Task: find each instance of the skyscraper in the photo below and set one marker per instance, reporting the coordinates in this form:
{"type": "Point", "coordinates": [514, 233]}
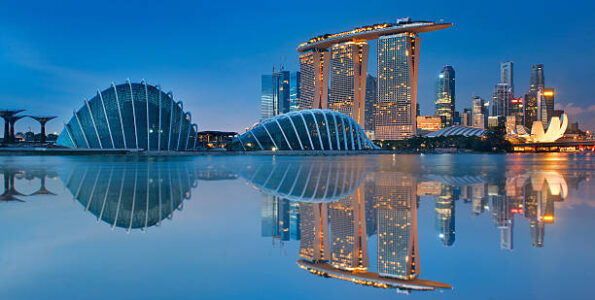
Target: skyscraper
{"type": "Point", "coordinates": [275, 94]}
{"type": "Point", "coordinates": [349, 72]}
{"type": "Point", "coordinates": [501, 99]}
{"type": "Point", "coordinates": [314, 69]}
{"type": "Point", "coordinates": [507, 74]}
{"type": "Point", "coordinates": [531, 113]}
{"type": "Point", "coordinates": [398, 62]}
{"type": "Point", "coordinates": [314, 242]}
{"type": "Point", "coordinates": [294, 90]}
{"type": "Point", "coordinates": [479, 112]}
{"type": "Point", "coordinates": [537, 78]}
{"type": "Point", "coordinates": [545, 105]}
{"type": "Point", "coordinates": [371, 99]}
{"type": "Point", "coordinates": [445, 96]}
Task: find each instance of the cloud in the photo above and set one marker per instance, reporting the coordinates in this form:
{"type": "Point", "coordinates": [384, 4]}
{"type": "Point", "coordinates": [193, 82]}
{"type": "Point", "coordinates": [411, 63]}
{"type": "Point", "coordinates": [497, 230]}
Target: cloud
{"type": "Point", "coordinates": [572, 110]}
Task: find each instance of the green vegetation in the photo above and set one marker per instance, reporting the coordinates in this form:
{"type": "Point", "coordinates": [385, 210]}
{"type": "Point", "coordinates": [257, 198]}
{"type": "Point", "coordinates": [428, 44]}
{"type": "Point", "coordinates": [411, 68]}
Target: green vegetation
{"type": "Point", "coordinates": [494, 141]}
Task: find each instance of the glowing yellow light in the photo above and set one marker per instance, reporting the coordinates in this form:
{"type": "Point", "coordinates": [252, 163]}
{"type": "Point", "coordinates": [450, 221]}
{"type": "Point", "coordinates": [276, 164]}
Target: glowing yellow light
{"type": "Point", "coordinates": [548, 218]}
{"type": "Point", "coordinates": [548, 93]}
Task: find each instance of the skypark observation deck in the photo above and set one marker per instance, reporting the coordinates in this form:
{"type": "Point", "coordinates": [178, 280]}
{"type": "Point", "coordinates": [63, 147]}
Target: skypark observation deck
{"type": "Point", "coordinates": [371, 32]}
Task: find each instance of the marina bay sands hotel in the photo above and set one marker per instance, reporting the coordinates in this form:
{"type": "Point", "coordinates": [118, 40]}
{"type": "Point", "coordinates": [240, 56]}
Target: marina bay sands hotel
{"type": "Point", "coordinates": [343, 58]}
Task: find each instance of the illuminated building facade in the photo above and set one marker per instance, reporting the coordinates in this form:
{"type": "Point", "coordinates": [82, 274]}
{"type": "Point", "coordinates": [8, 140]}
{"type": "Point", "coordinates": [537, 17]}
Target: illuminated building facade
{"type": "Point", "coordinates": [445, 216]}
{"type": "Point", "coordinates": [445, 96]}
{"type": "Point", "coordinates": [479, 112]}
{"type": "Point", "coordinates": [429, 123]}
{"type": "Point", "coordinates": [130, 116]}
{"type": "Point", "coordinates": [294, 90]}
{"type": "Point", "coordinates": [314, 75]}
{"type": "Point", "coordinates": [545, 105]}
{"type": "Point", "coordinates": [349, 73]}
{"type": "Point", "coordinates": [398, 63]}
{"type": "Point", "coordinates": [398, 60]}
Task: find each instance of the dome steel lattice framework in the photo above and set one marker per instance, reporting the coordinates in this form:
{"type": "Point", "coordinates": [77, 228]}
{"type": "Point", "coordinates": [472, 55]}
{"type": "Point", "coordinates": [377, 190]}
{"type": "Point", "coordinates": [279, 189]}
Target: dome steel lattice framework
{"type": "Point", "coordinates": [315, 129]}
{"type": "Point", "coordinates": [134, 116]}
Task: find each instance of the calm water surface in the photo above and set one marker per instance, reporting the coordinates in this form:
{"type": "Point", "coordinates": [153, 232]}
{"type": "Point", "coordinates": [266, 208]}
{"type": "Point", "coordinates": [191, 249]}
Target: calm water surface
{"type": "Point", "coordinates": [367, 227]}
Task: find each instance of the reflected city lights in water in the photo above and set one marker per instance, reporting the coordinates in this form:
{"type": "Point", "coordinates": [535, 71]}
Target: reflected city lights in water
{"type": "Point", "coordinates": [354, 219]}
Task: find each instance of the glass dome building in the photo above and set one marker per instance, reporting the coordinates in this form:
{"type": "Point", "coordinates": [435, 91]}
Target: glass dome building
{"type": "Point", "coordinates": [314, 130]}
{"type": "Point", "coordinates": [134, 116]}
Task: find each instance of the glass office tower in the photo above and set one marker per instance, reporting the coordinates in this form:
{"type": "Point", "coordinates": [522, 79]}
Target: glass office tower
{"type": "Point", "coordinates": [275, 96]}
{"type": "Point", "coordinates": [445, 96]}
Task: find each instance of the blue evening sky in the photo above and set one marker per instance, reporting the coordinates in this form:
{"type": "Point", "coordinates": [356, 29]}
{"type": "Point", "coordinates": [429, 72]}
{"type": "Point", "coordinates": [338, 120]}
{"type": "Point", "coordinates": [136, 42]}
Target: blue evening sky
{"type": "Point", "coordinates": [53, 54]}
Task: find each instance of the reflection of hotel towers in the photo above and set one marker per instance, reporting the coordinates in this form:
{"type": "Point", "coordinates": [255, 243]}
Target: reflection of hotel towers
{"type": "Point", "coordinates": [133, 195]}
{"type": "Point", "coordinates": [398, 245]}
{"type": "Point", "coordinates": [349, 243]}
{"type": "Point", "coordinates": [314, 244]}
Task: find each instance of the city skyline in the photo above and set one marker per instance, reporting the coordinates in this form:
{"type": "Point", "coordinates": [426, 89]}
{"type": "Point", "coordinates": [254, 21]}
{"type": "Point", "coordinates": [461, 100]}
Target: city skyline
{"type": "Point", "coordinates": [48, 68]}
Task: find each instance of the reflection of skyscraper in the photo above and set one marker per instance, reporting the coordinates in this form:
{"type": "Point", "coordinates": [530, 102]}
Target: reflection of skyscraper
{"type": "Point", "coordinates": [398, 247]}
{"type": "Point", "coordinates": [349, 243]}
{"type": "Point", "coordinates": [280, 218]}
{"type": "Point", "coordinates": [314, 243]}
{"type": "Point", "coordinates": [445, 216]}
{"type": "Point", "coordinates": [398, 62]}
{"type": "Point", "coordinates": [503, 219]}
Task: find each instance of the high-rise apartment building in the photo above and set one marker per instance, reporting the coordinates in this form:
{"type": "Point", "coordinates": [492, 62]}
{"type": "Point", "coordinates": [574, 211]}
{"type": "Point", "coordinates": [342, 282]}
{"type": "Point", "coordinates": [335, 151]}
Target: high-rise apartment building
{"type": "Point", "coordinates": [349, 73]}
{"type": "Point", "coordinates": [371, 99]}
{"type": "Point", "coordinates": [479, 112]}
{"type": "Point", "coordinates": [398, 63]}
{"type": "Point", "coordinates": [445, 96]}
{"type": "Point", "coordinates": [314, 76]}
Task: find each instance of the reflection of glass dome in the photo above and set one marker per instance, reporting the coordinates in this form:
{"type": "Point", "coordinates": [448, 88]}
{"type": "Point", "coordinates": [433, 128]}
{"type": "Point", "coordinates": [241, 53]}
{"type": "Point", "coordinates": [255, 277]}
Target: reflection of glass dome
{"type": "Point", "coordinates": [315, 129]}
{"type": "Point", "coordinates": [307, 181]}
{"type": "Point", "coordinates": [130, 116]}
{"type": "Point", "coordinates": [131, 195]}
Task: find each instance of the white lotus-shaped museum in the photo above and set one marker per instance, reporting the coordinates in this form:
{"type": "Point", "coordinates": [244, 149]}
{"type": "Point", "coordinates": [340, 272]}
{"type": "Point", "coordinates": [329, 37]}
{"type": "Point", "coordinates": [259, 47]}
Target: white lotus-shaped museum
{"type": "Point", "coordinates": [555, 130]}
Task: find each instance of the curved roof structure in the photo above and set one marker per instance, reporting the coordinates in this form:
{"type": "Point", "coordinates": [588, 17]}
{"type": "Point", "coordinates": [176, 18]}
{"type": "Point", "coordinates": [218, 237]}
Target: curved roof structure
{"type": "Point", "coordinates": [312, 181]}
{"type": "Point", "coordinates": [131, 195]}
{"type": "Point", "coordinates": [314, 130]}
{"type": "Point", "coordinates": [130, 116]}
{"type": "Point", "coordinates": [371, 32]}
{"type": "Point", "coordinates": [458, 130]}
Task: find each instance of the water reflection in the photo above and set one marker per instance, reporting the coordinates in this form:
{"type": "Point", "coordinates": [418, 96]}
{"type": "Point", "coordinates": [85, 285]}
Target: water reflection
{"type": "Point", "coordinates": [349, 220]}
{"type": "Point", "coordinates": [131, 195]}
